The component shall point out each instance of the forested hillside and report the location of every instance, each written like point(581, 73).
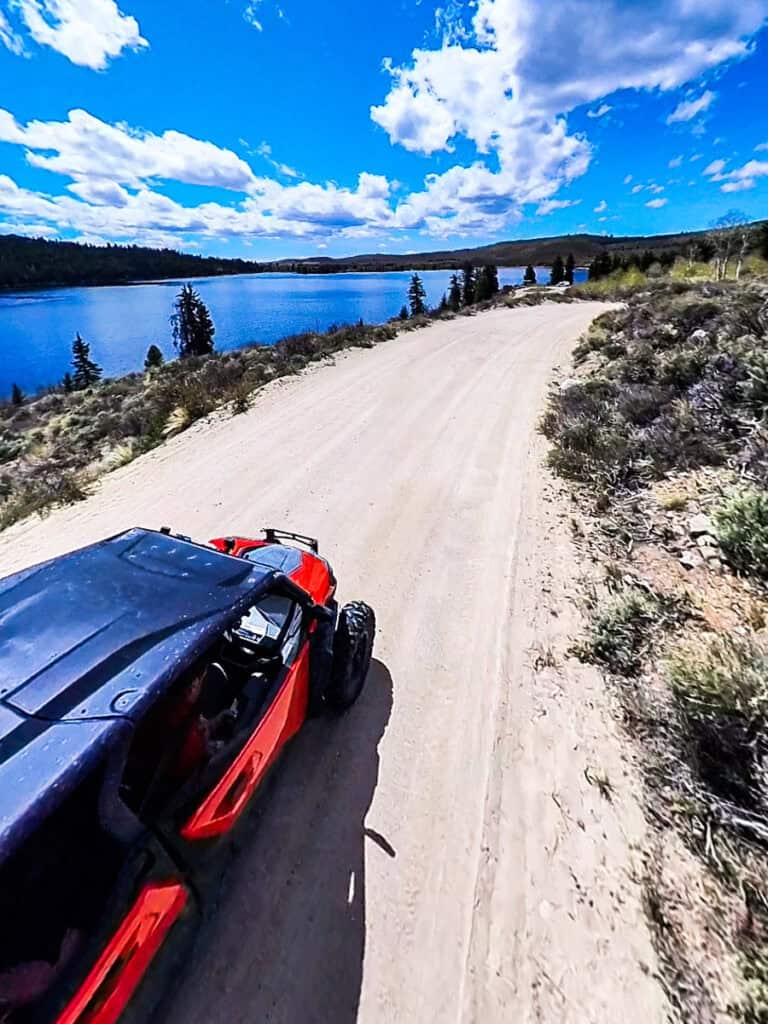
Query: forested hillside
point(33, 262)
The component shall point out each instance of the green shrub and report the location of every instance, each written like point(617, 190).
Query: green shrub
point(742, 529)
point(619, 636)
point(722, 691)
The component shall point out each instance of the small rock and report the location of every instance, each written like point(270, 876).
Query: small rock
point(569, 382)
point(690, 560)
point(699, 336)
point(699, 524)
point(708, 553)
point(706, 540)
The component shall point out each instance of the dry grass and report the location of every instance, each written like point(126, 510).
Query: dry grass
point(53, 446)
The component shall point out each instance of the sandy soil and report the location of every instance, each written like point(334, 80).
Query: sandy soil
point(443, 852)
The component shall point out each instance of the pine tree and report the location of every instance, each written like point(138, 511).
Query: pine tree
point(192, 325)
point(87, 373)
point(468, 285)
point(404, 313)
point(154, 358)
point(529, 277)
point(570, 266)
point(17, 395)
point(443, 307)
point(67, 382)
point(417, 296)
point(454, 295)
point(557, 273)
point(489, 275)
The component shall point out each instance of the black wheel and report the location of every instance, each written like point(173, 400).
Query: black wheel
point(352, 650)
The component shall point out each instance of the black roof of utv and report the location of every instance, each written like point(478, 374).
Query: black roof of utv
point(87, 641)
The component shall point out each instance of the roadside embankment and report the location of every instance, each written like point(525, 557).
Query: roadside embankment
point(661, 427)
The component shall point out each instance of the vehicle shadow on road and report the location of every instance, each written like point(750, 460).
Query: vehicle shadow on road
point(287, 941)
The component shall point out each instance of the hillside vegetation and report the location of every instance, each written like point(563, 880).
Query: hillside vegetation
point(36, 262)
point(662, 430)
point(54, 446)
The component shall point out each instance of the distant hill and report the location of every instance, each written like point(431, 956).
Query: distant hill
point(37, 262)
point(538, 251)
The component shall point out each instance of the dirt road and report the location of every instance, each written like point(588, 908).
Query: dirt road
point(441, 854)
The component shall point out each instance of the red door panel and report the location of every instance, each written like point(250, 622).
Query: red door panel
point(225, 803)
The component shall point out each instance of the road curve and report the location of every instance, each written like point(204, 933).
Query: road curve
point(436, 855)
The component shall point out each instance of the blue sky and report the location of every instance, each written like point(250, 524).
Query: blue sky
point(270, 128)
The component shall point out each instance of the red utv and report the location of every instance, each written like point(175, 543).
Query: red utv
point(147, 686)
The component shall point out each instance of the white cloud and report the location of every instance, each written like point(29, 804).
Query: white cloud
point(715, 168)
point(601, 111)
point(688, 109)
point(628, 179)
point(743, 178)
point(265, 150)
point(250, 15)
point(9, 38)
point(738, 186)
point(602, 205)
point(507, 84)
point(655, 188)
point(84, 147)
point(676, 162)
point(87, 32)
point(655, 204)
point(761, 147)
point(698, 156)
point(549, 205)
point(637, 188)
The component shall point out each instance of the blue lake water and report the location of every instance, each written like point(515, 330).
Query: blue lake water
point(37, 328)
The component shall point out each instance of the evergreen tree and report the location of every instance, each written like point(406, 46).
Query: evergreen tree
point(764, 241)
point(417, 296)
point(529, 277)
point(17, 395)
point(570, 266)
point(192, 325)
point(154, 358)
point(454, 295)
point(557, 274)
point(443, 304)
point(87, 373)
point(468, 285)
point(67, 382)
point(404, 313)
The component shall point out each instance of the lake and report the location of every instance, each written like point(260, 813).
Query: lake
point(37, 328)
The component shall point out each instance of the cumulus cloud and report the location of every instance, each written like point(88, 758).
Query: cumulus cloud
point(637, 188)
point(761, 147)
point(601, 111)
point(655, 188)
point(83, 147)
point(88, 32)
point(628, 179)
point(109, 211)
point(675, 162)
point(602, 205)
point(655, 204)
point(686, 110)
point(743, 178)
point(508, 84)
